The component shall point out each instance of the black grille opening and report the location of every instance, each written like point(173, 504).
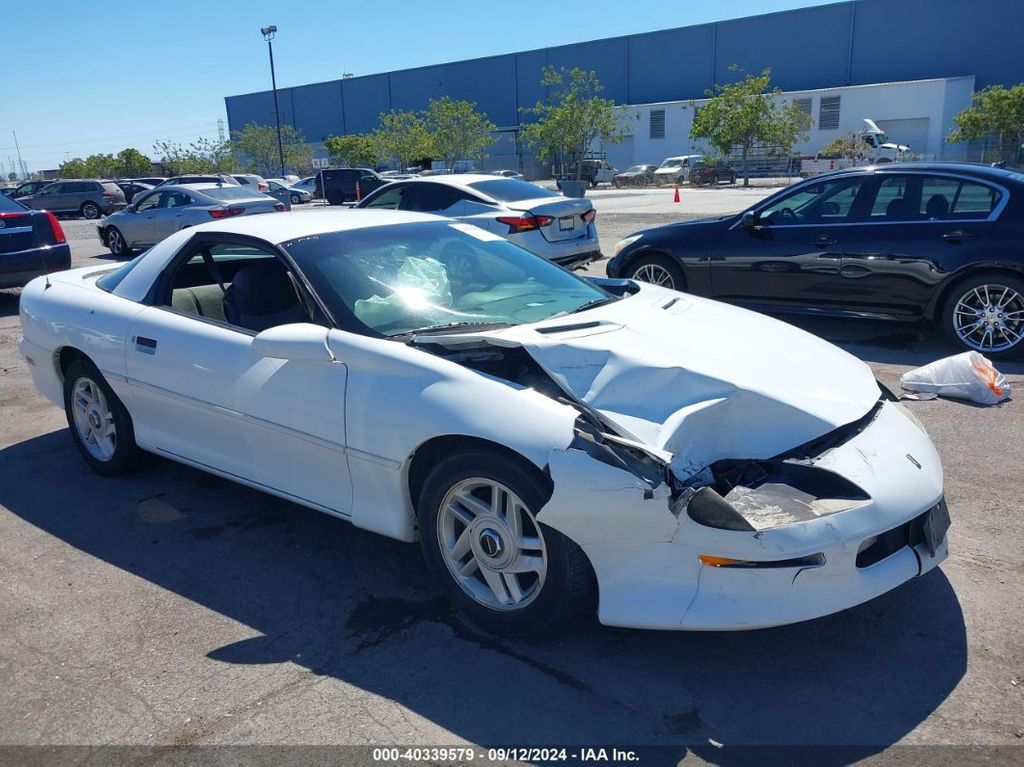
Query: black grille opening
point(891, 541)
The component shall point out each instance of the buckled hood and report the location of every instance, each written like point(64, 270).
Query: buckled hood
point(695, 380)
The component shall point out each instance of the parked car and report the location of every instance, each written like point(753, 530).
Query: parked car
point(213, 178)
point(508, 174)
point(594, 172)
point(295, 195)
point(88, 199)
point(939, 242)
point(26, 188)
point(635, 175)
point(151, 180)
point(561, 229)
point(166, 209)
point(676, 170)
point(248, 179)
point(132, 188)
point(705, 173)
point(544, 436)
point(32, 243)
point(342, 185)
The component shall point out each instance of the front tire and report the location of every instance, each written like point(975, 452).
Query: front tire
point(985, 313)
point(100, 425)
point(296, 199)
point(90, 210)
point(657, 270)
point(116, 243)
point(500, 567)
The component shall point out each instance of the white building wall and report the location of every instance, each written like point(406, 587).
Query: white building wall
point(937, 100)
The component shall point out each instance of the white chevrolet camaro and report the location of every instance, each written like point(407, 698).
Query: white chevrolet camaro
point(548, 439)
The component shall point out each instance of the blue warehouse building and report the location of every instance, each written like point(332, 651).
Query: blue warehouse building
point(812, 50)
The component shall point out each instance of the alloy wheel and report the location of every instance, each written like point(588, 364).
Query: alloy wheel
point(115, 242)
point(94, 421)
point(492, 544)
point(90, 210)
point(654, 274)
point(989, 318)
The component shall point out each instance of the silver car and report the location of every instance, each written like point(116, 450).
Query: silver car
point(166, 209)
point(561, 229)
point(280, 187)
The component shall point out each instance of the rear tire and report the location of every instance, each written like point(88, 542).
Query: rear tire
point(90, 210)
point(657, 270)
point(503, 570)
point(100, 425)
point(985, 313)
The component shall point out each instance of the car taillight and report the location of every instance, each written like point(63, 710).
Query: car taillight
point(279, 207)
point(108, 196)
point(517, 224)
point(56, 228)
point(589, 216)
point(226, 212)
point(263, 187)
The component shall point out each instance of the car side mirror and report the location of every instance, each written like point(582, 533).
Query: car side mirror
point(295, 341)
point(749, 220)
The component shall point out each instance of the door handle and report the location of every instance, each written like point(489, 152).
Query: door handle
point(957, 236)
point(825, 241)
point(145, 345)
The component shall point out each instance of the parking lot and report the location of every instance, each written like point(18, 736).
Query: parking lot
point(175, 608)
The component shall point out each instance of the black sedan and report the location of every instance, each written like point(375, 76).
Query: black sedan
point(941, 242)
point(32, 243)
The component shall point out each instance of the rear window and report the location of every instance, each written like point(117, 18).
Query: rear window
point(111, 280)
point(230, 193)
point(511, 189)
point(7, 205)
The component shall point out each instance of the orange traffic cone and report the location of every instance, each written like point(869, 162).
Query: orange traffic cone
point(677, 194)
point(358, 195)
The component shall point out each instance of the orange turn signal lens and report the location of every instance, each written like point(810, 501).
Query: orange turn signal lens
point(707, 559)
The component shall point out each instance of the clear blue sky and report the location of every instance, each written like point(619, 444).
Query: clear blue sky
point(98, 77)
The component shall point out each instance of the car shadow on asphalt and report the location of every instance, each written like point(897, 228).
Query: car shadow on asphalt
point(358, 607)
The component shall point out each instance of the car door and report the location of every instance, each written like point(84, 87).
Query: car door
point(171, 213)
point(790, 255)
point(141, 227)
point(200, 393)
point(53, 198)
point(919, 228)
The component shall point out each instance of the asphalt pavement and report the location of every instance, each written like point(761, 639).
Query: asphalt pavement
point(174, 608)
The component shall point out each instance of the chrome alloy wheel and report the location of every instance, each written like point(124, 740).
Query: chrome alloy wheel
point(94, 420)
point(990, 318)
point(655, 274)
point(492, 544)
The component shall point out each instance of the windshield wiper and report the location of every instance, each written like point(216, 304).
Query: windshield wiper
point(452, 326)
point(595, 303)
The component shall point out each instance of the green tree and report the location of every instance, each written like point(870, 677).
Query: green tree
point(746, 113)
point(354, 150)
point(200, 156)
point(459, 132)
point(995, 113)
point(73, 168)
point(403, 136)
point(572, 118)
point(256, 148)
point(131, 162)
point(849, 146)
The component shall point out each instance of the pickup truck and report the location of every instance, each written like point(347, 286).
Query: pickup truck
point(594, 172)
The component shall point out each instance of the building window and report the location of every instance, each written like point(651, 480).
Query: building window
point(657, 123)
point(804, 105)
point(828, 113)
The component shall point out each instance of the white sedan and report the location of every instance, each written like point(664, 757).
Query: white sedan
point(548, 439)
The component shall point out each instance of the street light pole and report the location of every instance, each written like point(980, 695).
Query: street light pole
point(268, 35)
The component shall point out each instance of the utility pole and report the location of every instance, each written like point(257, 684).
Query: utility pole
point(268, 35)
point(220, 131)
point(21, 163)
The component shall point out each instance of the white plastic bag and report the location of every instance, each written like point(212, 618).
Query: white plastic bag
point(968, 376)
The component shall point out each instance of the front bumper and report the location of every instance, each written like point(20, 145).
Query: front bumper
point(646, 558)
